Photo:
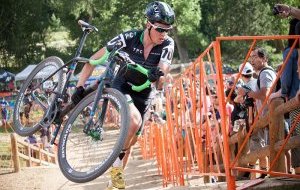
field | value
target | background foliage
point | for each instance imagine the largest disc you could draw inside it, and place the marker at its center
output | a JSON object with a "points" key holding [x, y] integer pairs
{"points": [[33, 29]]}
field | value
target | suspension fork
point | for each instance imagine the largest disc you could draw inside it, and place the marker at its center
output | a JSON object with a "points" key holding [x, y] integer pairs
{"points": [[100, 88], [102, 114]]}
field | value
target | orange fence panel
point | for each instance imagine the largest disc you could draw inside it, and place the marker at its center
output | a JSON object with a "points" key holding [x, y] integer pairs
{"points": [[195, 139]]}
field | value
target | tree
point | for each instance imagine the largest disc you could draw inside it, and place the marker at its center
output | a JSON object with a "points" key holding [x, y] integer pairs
{"points": [[114, 17], [186, 34], [245, 18], [22, 31]]}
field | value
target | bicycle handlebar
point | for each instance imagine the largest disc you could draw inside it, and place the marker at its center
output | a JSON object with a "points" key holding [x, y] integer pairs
{"points": [[131, 64], [144, 71]]}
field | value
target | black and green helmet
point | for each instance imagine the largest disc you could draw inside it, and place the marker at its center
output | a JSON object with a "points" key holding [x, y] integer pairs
{"points": [[160, 12]]}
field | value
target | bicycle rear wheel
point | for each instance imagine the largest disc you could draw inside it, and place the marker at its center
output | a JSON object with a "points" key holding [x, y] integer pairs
{"points": [[84, 157], [34, 98]]}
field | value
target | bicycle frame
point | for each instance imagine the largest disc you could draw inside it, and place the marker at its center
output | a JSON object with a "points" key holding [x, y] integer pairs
{"points": [[55, 105], [103, 81]]}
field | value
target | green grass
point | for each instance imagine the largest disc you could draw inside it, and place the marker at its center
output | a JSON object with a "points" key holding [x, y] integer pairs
{"points": [[5, 155], [4, 148]]}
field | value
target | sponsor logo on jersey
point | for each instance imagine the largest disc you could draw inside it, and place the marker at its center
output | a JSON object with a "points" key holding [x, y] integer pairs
{"points": [[136, 50], [129, 35], [153, 53]]}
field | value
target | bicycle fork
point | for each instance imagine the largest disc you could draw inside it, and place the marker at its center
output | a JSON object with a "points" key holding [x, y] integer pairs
{"points": [[96, 132]]}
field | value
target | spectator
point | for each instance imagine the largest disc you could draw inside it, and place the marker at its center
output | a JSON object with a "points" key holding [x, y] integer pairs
{"points": [[237, 113], [256, 140], [249, 84], [31, 139], [4, 113], [266, 77], [290, 85], [26, 107]]}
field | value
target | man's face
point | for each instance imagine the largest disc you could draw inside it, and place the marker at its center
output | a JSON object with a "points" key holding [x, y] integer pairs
{"points": [[158, 32], [256, 61]]}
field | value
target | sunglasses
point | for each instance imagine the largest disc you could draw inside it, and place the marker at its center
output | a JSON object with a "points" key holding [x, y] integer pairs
{"points": [[160, 29]]}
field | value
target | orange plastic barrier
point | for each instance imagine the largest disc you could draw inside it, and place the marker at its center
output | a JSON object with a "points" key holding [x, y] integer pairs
{"points": [[195, 140]]}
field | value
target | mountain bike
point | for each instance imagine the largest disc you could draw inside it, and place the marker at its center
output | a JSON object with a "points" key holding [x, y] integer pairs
{"points": [[88, 146], [96, 129]]}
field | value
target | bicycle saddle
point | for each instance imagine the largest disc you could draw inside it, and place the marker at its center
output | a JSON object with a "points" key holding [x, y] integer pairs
{"points": [[87, 26]]}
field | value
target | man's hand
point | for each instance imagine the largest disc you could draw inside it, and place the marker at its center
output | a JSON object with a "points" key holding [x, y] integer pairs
{"points": [[154, 74], [78, 95], [81, 92], [241, 91], [284, 10]]}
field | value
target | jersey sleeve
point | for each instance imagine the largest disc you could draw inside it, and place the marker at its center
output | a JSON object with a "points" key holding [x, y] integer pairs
{"points": [[122, 40], [167, 53]]}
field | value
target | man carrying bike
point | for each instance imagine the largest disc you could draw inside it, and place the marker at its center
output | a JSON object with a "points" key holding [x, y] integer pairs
{"points": [[153, 49]]}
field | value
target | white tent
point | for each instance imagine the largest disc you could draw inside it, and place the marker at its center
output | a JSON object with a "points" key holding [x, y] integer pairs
{"points": [[24, 73], [42, 74]]}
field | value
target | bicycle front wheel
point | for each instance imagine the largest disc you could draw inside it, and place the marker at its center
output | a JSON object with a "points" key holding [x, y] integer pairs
{"points": [[83, 157], [34, 97]]}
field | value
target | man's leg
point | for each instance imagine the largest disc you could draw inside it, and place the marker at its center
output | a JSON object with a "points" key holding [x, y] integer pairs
{"points": [[116, 172], [128, 152]]}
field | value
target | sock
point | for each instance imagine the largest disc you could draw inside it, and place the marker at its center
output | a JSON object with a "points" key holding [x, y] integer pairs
{"points": [[109, 184], [118, 162]]}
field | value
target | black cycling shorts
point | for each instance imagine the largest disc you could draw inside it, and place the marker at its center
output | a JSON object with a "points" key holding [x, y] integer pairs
{"points": [[141, 99]]}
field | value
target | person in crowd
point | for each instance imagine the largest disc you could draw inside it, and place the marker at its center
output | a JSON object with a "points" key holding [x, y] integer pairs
{"points": [[266, 77], [249, 84], [4, 113], [151, 48], [290, 85]]}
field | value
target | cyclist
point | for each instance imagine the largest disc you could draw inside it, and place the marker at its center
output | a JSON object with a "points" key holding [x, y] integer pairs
{"points": [[153, 49]]}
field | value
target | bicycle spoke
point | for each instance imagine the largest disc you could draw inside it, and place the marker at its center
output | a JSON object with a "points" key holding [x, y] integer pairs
{"points": [[86, 151]]}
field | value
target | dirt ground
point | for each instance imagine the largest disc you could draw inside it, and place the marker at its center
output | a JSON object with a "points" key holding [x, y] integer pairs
{"points": [[139, 174]]}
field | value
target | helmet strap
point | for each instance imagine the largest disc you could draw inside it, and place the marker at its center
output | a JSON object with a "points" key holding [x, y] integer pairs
{"points": [[149, 30]]}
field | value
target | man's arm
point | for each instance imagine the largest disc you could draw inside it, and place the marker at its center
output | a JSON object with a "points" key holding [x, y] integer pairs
{"points": [[88, 68], [298, 63], [286, 79], [295, 12], [165, 68], [259, 94], [165, 62], [286, 11]]}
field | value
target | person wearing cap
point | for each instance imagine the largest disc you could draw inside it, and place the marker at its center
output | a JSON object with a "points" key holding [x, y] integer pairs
{"points": [[247, 78], [151, 48]]}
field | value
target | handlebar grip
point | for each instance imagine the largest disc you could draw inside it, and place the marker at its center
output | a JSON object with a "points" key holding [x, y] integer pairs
{"points": [[141, 87], [144, 71], [139, 68]]}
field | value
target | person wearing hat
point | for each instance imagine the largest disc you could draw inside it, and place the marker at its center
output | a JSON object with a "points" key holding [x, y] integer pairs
{"points": [[256, 140], [248, 80]]}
